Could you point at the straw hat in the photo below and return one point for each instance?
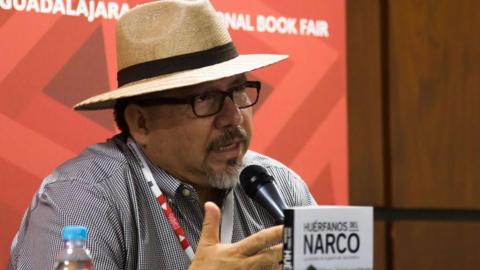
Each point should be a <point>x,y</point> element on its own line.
<point>173,43</point>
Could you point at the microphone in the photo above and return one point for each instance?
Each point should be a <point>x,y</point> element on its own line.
<point>258,185</point>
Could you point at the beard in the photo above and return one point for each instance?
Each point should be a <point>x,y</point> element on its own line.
<point>225,179</point>
<point>229,176</point>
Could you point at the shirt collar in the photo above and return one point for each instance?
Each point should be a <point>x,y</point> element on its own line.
<point>165,181</point>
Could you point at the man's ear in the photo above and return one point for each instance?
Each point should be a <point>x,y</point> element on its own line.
<point>136,116</point>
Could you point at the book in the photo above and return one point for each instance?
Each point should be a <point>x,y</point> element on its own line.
<point>328,238</point>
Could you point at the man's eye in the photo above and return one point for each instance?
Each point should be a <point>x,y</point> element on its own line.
<point>239,89</point>
<point>204,97</point>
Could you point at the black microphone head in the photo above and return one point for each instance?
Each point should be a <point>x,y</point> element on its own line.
<point>252,178</point>
<point>258,185</point>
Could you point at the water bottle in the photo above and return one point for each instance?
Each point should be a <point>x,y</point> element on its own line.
<point>74,255</point>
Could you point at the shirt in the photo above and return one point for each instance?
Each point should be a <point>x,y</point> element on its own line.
<point>103,189</point>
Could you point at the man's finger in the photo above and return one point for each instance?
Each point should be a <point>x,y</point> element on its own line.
<point>275,252</point>
<point>260,240</point>
<point>211,225</point>
<point>266,258</point>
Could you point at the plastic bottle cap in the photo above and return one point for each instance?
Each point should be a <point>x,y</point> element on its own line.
<point>74,233</point>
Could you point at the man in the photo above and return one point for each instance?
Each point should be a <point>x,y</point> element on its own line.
<point>184,109</point>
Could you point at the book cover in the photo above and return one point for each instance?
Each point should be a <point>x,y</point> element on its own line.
<point>328,238</point>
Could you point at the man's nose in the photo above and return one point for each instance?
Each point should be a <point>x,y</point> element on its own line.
<point>230,115</point>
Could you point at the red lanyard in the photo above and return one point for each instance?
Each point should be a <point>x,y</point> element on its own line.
<point>162,200</point>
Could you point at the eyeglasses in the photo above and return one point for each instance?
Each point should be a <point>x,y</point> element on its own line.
<point>211,102</point>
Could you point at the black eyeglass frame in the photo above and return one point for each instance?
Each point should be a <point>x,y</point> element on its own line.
<point>191,99</point>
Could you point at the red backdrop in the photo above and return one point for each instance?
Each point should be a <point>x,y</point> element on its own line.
<point>48,62</point>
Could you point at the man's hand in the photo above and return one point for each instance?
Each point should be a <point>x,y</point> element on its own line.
<point>251,253</point>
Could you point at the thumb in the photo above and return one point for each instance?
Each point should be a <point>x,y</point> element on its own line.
<point>211,225</point>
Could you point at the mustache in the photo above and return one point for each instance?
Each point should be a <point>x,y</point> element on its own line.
<point>229,136</point>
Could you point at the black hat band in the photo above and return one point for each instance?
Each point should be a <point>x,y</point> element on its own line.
<point>177,63</point>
